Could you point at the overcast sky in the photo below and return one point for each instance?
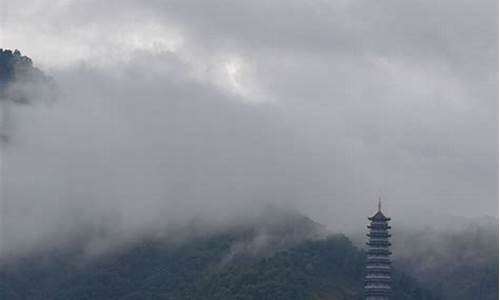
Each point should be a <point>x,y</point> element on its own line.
<point>176,110</point>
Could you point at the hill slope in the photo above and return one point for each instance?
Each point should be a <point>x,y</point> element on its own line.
<point>248,263</point>
<point>467,257</point>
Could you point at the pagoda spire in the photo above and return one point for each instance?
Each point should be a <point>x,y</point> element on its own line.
<point>379,203</point>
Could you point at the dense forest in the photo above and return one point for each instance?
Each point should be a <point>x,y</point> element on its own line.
<point>289,257</point>
<point>268,261</point>
<point>459,263</point>
<point>20,81</point>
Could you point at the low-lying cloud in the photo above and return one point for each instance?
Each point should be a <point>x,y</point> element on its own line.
<point>170,112</point>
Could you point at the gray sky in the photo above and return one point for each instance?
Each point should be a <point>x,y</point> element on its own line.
<point>177,110</point>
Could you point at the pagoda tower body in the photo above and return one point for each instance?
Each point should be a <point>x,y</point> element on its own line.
<point>378,264</point>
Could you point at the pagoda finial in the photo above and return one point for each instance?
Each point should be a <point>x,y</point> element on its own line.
<point>379,203</point>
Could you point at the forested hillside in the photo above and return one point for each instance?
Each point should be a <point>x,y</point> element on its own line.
<point>457,264</point>
<point>284,262</point>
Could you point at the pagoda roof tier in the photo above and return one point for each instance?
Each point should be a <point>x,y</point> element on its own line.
<point>378,293</point>
<point>388,275</point>
<point>382,274</point>
<point>376,268</point>
<point>382,288</point>
<point>383,234</point>
<point>384,226</point>
<point>381,244</point>
<point>378,280</point>
<point>385,257</point>
<point>383,270</point>
<point>379,219</point>
<point>378,276</point>
<point>379,262</point>
<point>375,272</point>
<point>379,215</point>
<point>385,260</point>
<point>379,239</point>
<point>379,251</point>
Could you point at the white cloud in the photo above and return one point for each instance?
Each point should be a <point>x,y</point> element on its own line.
<point>201,109</point>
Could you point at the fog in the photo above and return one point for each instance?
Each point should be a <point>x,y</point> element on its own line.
<point>173,112</point>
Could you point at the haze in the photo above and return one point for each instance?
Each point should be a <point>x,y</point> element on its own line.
<point>176,111</point>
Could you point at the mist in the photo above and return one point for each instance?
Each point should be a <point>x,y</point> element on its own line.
<point>180,112</point>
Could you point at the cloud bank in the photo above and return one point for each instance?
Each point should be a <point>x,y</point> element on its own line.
<point>174,111</point>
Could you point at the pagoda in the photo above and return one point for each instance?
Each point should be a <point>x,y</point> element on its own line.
<point>378,264</point>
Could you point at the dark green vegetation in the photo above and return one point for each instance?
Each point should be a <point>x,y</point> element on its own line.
<point>284,262</point>
<point>458,264</point>
<point>12,65</point>
<point>20,81</point>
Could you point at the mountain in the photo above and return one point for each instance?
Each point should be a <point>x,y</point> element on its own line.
<point>20,81</point>
<point>286,259</point>
<point>465,255</point>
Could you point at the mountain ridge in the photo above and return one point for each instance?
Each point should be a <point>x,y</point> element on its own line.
<point>279,259</point>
